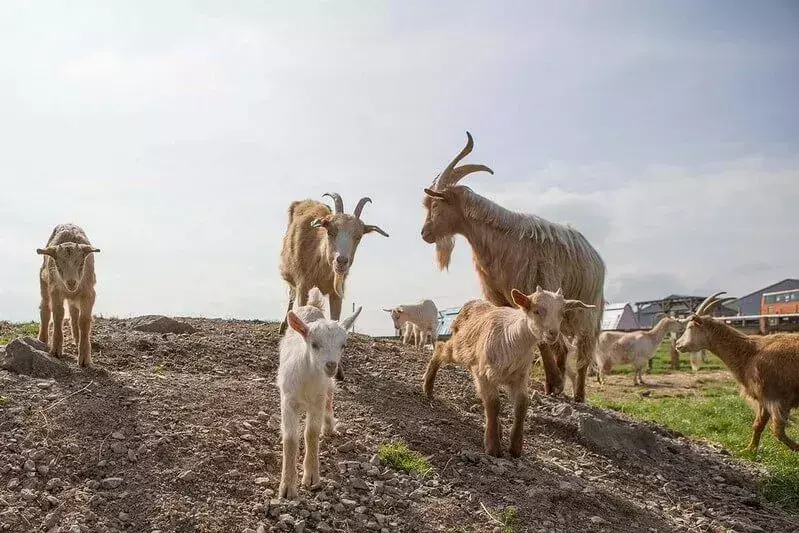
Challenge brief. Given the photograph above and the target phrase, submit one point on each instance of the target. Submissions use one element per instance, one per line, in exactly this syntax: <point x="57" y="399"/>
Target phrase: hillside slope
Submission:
<point x="179" y="432"/>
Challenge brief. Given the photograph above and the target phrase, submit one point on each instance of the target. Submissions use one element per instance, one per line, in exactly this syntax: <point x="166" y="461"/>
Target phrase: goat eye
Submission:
<point x="314" y="346"/>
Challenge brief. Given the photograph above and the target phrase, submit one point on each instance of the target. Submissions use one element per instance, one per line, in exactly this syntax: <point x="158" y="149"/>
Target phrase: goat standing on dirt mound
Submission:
<point x="497" y="346"/>
<point x="319" y="249"/>
<point x="67" y="273"/>
<point x="515" y="250"/>
<point x="766" y="367"/>
<point x="309" y="357"/>
<point x="635" y="347"/>
<point x="420" y="319"/>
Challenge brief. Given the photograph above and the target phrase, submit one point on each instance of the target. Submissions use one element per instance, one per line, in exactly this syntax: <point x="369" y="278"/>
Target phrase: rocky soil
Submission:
<point x="179" y="432"/>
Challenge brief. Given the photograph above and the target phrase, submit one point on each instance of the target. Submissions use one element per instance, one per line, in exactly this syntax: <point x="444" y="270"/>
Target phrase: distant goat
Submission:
<point x="497" y="346"/>
<point x="67" y="274"/>
<point x="423" y="318"/>
<point x="319" y="249"/>
<point x="635" y="347"/>
<point x="516" y="250"/>
<point x="766" y="367"/>
<point x="309" y="357"/>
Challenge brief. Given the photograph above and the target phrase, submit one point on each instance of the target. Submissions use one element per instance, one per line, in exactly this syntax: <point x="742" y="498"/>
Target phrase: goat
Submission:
<point x="635" y="347"/>
<point x="309" y="357"/>
<point x="497" y="346"/>
<point x="766" y="367"/>
<point x="518" y="250"/>
<point x="67" y="274"/>
<point x="319" y="249"/>
<point x="423" y="318"/>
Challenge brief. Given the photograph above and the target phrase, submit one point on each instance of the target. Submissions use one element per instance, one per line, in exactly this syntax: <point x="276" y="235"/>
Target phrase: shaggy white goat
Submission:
<point x="636" y="347"/>
<point x="309" y="357"/>
<point x="422" y="316"/>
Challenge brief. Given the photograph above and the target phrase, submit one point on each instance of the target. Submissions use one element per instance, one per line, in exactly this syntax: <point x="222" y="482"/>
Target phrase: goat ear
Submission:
<point x="520" y="299"/>
<point x="46" y="251"/>
<point x="297" y="324"/>
<point x="350" y="320"/>
<point x="569" y="305"/>
<point x="88" y="249"/>
<point x="368" y="228"/>
<point x="435" y="194"/>
<point x="321" y="222"/>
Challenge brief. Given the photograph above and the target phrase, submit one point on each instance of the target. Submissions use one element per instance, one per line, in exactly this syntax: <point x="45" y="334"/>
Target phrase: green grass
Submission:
<point x="23" y="329"/>
<point x="509" y="516"/>
<point x="3" y="400"/>
<point x="398" y="456"/>
<point x="720" y="415"/>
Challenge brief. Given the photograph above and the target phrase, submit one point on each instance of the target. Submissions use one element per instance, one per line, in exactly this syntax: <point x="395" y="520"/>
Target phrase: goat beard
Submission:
<point x="338" y="283"/>
<point x="444" y="247"/>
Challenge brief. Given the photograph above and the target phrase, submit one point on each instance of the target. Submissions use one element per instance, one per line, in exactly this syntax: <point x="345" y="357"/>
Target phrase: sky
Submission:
<point x="177" y="133"/>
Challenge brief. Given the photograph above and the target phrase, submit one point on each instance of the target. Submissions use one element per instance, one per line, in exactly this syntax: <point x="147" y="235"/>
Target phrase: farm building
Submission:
<point x="619" y="317"/>
<point x="678" y="305"/>
<point x="445" y="319"/>
<point x="749" y="305"/>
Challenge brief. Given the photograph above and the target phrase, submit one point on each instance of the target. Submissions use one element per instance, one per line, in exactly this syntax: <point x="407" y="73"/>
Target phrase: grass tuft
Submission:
<point x="509" y="516"/>
<point x="399" y="457"/>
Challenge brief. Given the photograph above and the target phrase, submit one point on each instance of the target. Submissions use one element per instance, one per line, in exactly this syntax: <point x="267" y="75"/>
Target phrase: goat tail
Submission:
<point x="316" y="299"/>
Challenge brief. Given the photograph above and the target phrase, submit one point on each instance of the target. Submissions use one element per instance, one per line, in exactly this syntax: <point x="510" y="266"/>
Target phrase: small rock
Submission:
<point x="38" y="455"/>
<point x="111" y="482"/>
<point x="287" y="518"/>
<point x="118" y="448"/>
<point x="360" y="510"/>
<point x="160" y="324"/>
<point x="29" y="356"/>
<point x="93" y="484"/>
<point x="28" y="494"/>
<point x="598" y="520"/>
<point x="44" y="385"/>
<point x="247" y="436"/>
<point x="124" y="517"/>
<point x="54" y="483"/>
<point x="299" y="527"/>
<point x="348" y="502"/>
<point x="132" y="456"/>
<point x="262" y="481"/>
<point x="29" y="466"/>
<point x="43" y="470"/>
<point x="118" y="435"/>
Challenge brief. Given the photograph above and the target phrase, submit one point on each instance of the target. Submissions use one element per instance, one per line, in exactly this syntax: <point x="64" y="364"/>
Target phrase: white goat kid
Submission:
<point x="309" y="357"/>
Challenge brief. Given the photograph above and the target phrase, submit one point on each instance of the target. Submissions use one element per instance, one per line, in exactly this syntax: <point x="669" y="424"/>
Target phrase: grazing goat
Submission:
<point x="67" y="274"/>
<point x="635" y="347"/>
<point x="319" y="249"/>
<point x="423" y="318"/>
<point x="497" y="346"/>
<point x="309" y="357"/>
<point x="515" y="250"/>
<point x="766" y="367"/>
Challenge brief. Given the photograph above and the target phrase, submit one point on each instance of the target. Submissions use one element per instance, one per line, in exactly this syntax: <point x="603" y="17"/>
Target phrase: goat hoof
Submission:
<point x="311" y="480"/>
<point x="287" y="491"/>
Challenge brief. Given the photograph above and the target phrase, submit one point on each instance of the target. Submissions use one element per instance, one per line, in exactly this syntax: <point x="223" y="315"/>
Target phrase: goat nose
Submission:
<point x="71" y="284"/>
<point x="331" y="367"/>
<point x="342" y="260"/>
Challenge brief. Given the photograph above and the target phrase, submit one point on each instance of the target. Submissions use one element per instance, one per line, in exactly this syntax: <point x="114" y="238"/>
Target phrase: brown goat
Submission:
<point x="67" y="274"/>
<point x="766" y="367"/>
<point x="319" y="249"/>
<point x="497" y="346"/>
<point x="518" y="250"/>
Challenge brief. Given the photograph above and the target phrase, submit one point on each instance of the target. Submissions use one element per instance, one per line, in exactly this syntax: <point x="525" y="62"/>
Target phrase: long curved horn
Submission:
<point x="445" y="178"/>
<point x="701" y="308"/>
<point x="714" y="304"/>
<point x="358" y="208"/>
<point x="458" y="173"/>
<point x="338" y="201"/>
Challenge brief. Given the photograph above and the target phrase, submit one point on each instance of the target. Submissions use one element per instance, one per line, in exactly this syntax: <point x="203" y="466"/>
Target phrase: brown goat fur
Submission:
<point x="497" y="346"/>
<point x="518" y="250"/>
<point x="766" y="367"/>
<point x="67" y="274"/>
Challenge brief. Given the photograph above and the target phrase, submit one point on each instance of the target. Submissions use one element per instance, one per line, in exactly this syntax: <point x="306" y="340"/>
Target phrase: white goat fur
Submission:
<point x="635" y="347"/>
<point x="423" y="318"/>
<point x="309" y="356"/>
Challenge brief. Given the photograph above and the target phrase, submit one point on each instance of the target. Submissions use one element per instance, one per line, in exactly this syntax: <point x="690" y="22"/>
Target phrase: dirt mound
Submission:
<point x="180" y="432"/>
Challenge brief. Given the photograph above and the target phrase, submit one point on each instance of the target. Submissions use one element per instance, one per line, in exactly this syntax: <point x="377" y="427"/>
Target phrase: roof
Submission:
<point x="616" y="306"/>
<point x="765" y="289"/>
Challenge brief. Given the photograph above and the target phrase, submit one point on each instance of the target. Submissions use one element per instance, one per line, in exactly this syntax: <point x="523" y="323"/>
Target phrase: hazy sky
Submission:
<point x="177" y="133"/>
